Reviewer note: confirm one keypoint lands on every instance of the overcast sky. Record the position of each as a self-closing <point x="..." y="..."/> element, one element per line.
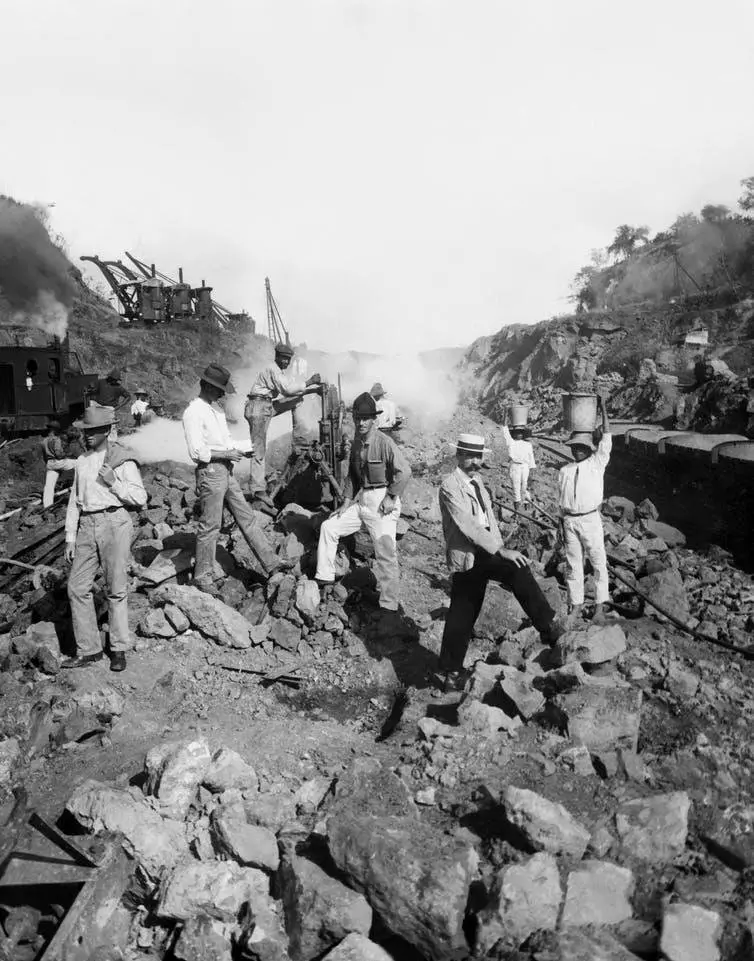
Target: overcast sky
<point x="410" y="173"/>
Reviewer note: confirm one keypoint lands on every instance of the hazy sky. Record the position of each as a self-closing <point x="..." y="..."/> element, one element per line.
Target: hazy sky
<point x="410" y="173"/>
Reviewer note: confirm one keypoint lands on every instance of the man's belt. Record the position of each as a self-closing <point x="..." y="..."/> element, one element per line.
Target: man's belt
<point x="582" y="514"/>
<point x="373" y="487"/>
<point x="260" y="397"/>
<point x="106" y="510"/>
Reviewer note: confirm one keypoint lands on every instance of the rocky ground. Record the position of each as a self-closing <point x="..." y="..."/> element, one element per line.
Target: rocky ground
<point x="288" y="780"/>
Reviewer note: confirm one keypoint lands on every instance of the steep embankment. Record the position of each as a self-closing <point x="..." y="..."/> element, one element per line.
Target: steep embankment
<point x="610" y="350"/>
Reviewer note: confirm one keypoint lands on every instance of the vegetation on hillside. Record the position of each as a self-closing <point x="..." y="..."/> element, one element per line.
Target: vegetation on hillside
<point x="709" y="255"/>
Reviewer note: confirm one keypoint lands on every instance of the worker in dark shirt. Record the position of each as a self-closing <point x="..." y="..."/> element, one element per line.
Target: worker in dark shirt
<point x="377" y="476"/>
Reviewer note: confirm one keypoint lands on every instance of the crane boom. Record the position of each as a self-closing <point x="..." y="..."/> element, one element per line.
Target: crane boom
<point x="276" y="329"/>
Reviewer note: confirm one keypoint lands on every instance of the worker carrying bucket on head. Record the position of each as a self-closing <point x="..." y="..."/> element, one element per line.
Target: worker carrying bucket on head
<point x="275" y="392"/>
<point x="520" y="451"/>
<point x="139" y="407"/>
<point x="581" y="488"/>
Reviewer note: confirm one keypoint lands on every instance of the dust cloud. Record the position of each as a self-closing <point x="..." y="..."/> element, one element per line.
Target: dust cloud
<point x="34" y="279"/>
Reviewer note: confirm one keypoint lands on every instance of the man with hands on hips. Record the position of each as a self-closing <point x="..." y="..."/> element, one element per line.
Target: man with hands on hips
<point x="377" y="476"/>
<point x="106" y="485"/>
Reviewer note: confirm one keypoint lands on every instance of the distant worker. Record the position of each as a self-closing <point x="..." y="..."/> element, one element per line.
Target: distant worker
<point x="98" y="532"/>
<point x="377" y="476"/>
<point x="581" y="488"/>
<point x="388" y="418"/>
<point x="215" y="453"/>
<point x="476" y="556"/>
<point x="110" y="391"/>
<point x="273" y="393"/>
<point x="139" y="407"/>
<point x="521" y="456"/>
<point x="55" y="460"/>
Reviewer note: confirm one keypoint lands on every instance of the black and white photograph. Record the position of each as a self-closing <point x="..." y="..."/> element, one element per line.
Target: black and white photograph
<point x="376" y="480"/>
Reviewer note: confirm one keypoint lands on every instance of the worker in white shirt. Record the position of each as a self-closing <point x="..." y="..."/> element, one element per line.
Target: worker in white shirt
<point x="274" y="392"/>
<point x="139" y="407"/>
<point x="215" y="453"/>
<point x="581" y="489"/>
<point x="55" y="461"/>
<point x="388" y="419"/>
<point x="98" y="530"/>
<point x="521" y="456"/>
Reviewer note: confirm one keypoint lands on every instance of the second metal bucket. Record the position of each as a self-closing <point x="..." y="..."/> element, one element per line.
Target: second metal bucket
<point x="518" y="415"/>
<point x="580" y="412"/>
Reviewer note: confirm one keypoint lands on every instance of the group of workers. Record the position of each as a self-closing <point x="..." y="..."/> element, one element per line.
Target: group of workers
<point x="107" y="485"/>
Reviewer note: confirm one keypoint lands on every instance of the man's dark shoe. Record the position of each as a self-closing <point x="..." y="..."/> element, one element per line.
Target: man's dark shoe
<point x="84" y="661"/>
<point x="552" y="633"/>
<point x="207" y="587"/>
<point x="118" y="661"/>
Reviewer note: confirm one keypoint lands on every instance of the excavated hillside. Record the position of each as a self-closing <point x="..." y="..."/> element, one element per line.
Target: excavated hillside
<point x="637" y="355"/>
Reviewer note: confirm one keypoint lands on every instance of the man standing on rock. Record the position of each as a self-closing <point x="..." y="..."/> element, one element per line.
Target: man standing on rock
<point x="377" y="476"/>
<point x="273" y="393"/>
<point x="106" y="485"/>
<point x="214" y="452"/>
<point x="581" y="489"/>
<point x="475" y="555"/>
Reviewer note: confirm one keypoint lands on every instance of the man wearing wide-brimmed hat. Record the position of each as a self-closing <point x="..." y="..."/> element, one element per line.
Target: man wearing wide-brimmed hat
<point x="475" y="556"/>
<point x="275" y="392"/>
<point x="215" y="453"/>
<point x="55" y="461"/>
<point x="377" y="476"/>
<point x="581" y="489"/>
<point x="106" y="486"/>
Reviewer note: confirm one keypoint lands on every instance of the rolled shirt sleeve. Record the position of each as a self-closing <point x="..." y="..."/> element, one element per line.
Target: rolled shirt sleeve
<point x="199" y="451"/>
<point x="129" y="487"/>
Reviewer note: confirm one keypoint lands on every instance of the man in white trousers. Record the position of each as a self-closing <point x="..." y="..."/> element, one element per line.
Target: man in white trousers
<point x="521" y="456"/>
<point x="377" y="476"/>
<point x="581" y="486"/>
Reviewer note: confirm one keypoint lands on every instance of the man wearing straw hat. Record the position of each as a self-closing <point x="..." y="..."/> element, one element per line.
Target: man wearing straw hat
<point x="106" y="485"/>
<point x="215" y="453"/>
<point x="475" y="556"/>
<point x="581" y="488"/>
<point x="520" y="453"/>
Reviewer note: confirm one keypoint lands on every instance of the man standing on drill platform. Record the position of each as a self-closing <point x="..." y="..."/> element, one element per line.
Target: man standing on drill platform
<point x="214" y="452"/>
<point x="106" y="485"/>
<point x="377" y="476"/>
<point x="273" y="393"/>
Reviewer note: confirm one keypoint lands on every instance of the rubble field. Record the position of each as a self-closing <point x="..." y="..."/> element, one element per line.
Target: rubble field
<point x="283" y="778"/>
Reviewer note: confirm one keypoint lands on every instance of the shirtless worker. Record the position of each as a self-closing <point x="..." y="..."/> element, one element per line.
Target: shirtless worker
<point x="274" y="392"/>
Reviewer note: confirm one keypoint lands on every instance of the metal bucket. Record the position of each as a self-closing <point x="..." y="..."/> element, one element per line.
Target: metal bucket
<point x="580" y="412"/>
<point x="518" y="415"/>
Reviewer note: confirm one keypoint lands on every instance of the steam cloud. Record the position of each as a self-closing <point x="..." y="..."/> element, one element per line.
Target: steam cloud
<point x="427" y="395"/>
<point x="34" y="277"/>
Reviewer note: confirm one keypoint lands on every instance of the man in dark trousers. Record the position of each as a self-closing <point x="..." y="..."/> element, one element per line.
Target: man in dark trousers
<point x="215" y="453"/>
<point x="476" y="555"/>
<point x="377" y="476"/>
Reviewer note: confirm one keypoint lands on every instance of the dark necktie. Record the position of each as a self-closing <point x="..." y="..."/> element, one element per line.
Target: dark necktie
<point x="477" y="485"/>
<point x="575" y="484"/>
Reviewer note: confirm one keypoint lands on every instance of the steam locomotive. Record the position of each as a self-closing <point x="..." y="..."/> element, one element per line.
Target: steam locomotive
<point x="40" y="382"/>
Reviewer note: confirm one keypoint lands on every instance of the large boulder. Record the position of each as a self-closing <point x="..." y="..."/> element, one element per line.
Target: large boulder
<point x="666" y="589"/>
<point x="500" y="612"/>
<point x="602" y="717"/>
<point x="319" y="910"/>
<point x="485" y="719"/>
<point x="415" y="879"/>
<point x="307" y="599"/>
<point x="595" y="645"/>
<point x="174" y="771"/>
<point x="204" y="939"/>
<point x="371" y="788"/>
<point x="519" y="695"/>
<point x="598" y="893"/>
<point x="216" y="888"/>
<point x="249" y="844"/>
<point x="671" y="535"/>
<point x="654" y="828"/>
<point x="155" y="842"/>
<point x="524" y="898"/>
<point x="577" y="944"/>
<point x="690" y="933"/>
<point x="210" y="616"/>
<point x="229" y="770"/>
<point x="546" y="825"/>
<point x="356" y="947"/>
